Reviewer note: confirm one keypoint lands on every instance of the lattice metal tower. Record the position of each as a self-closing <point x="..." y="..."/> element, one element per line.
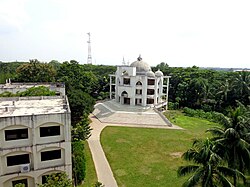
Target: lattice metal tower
<point x="89" y="60"/>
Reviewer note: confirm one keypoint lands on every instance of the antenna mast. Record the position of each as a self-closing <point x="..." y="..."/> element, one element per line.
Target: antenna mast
<point x="89" y="60"/>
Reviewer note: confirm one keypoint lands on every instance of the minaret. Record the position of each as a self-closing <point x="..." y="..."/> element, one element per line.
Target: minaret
<point x="123" y="61"/>
<point x="89" y="60"/>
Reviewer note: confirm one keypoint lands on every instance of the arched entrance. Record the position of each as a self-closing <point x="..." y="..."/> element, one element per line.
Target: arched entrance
<point x="124" y="98"/>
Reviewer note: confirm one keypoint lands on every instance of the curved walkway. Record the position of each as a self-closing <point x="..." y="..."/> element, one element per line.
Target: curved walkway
<point x="103" y="169"/>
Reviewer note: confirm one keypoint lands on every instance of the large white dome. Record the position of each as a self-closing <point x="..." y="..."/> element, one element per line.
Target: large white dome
<point x="140" y="65"/>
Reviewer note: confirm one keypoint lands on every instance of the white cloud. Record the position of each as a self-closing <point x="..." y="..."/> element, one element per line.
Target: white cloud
<point x="13" y="14"/>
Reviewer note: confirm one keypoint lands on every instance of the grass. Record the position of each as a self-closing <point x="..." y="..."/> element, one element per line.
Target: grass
<point x="90" y="178"/>
<point x="151" y="157"/>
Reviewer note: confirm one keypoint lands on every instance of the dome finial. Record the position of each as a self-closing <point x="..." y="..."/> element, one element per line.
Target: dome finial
<point x="139" y="58"/>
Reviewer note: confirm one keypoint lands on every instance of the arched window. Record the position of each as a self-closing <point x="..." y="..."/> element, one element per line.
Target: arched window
<point x="138" y="83"/>
<point x="124" y="94"/>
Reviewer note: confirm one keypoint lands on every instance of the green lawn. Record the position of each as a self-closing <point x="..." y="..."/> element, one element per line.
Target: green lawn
<point x="90" y="178"/>
<point x="150" y="157"/>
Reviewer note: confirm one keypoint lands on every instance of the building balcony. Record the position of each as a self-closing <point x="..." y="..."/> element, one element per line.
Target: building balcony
<point x="151" y="86"/>
<point x="150" y="96"/>
<point x="125" y="85"/>
<point x="138" y="96"/>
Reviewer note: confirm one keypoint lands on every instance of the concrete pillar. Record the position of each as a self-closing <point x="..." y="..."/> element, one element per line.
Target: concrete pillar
<point x="34" y="156"/>
<point x="1" y="168"/>
<point x="144" y="91"/>
<point x="110" y="87"/>
<point x="155" y="90"/>
<point x="167" y="93"/>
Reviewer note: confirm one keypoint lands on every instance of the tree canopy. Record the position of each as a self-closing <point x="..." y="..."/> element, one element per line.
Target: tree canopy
<point x="35" y="71"/>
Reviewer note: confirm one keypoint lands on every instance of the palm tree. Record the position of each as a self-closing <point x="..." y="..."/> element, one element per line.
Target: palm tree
<point x="224" y="90"/>
<point x="233" y="140"/>
<point x="207" y="170"/>
<point x="241" y="87"/>
<point x="198" y="89"/>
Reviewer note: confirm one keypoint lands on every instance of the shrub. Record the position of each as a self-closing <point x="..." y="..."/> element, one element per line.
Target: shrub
<point x="7" y="94"/>
<point x="210" y="116"/>
<point x="57" y="180"/>
<point x="78" y="161"/>
<point x="173" y="106"/>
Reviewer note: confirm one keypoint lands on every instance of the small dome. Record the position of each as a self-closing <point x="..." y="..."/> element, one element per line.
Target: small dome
<point x="158" y="73"/>
<point x="140" y="65"/>
<point x="150" y="74"/>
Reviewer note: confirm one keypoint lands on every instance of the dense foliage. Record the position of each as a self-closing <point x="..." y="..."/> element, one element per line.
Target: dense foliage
<point x="225" y="158"/>
<point x="37" y="91"/>
<point x="78" y="161"/>
<point x="35" y="71"/>
<point x="57" y="180"/>
<point x="33" y="91"/>
<point x="207" y="89"/>
<point x="210" y="116"/>
<point x="8" y="70"/>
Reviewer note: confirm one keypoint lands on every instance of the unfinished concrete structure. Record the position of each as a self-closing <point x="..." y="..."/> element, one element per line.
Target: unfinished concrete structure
<point x="35" y="139"/>
<point x="137" y="84"/>
<point x="59" y="88"/>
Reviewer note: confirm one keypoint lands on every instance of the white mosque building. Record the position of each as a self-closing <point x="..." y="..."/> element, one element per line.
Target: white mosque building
<point x="137" y="84"/>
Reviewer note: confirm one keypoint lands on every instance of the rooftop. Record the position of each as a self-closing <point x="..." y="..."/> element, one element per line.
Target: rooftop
<point x="22" y="106"/>
<point x="29" y="85"/>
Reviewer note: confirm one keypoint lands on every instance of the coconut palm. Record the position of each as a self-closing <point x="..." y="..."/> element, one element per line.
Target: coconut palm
<point x="224" y="91"/>
<point x="241" y="86"/>
<point x="207" y="170"/>
<point x="233" y="140"/>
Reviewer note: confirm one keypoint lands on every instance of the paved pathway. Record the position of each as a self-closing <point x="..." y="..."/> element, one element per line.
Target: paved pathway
<point x="103" y="170"/>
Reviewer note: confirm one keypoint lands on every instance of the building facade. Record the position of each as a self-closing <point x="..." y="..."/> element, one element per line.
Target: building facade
<point x="35" y="139"/>
<point x="137" y="84"/>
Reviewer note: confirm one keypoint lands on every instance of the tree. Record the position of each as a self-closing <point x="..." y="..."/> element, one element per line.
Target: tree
<point x="82" y="130"/>
<point x="36" y="91"/>
<point x="207" y="170"/>
<point x="80" y="103"/>
<point x="8" y="70"/>
<point x="163" y="66"/>
<point x="33" y="91"/>
<point x="75" y="77"/>
<point x="241" y="87"/>
<point x="57" y="180"/>
<point x="233" y="139"/>
<point x="78" y="161"/>
<point x="198" y="90"/>
<point x="35" y="71"/>
<point x="55" y="64"/>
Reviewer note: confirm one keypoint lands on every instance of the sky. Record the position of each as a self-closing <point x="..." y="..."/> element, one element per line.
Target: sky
<point x="181" y="33"/>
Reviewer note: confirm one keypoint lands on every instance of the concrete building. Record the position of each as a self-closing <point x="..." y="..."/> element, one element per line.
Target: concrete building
<point x="35" y="139"/>
<point x="137" y="84"/>
<point x="59" y="88"/>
